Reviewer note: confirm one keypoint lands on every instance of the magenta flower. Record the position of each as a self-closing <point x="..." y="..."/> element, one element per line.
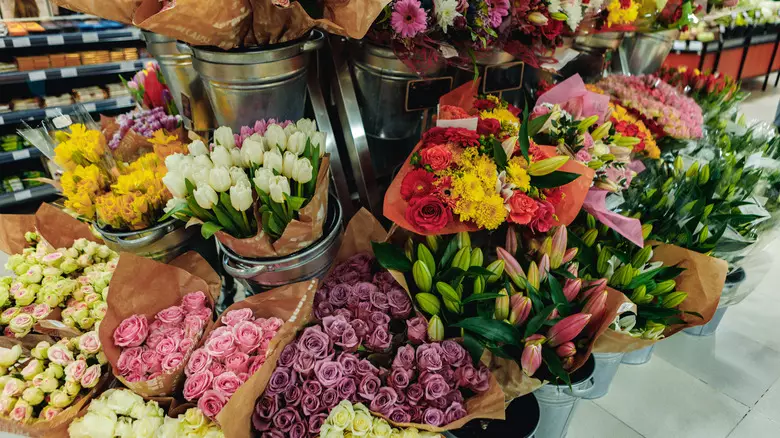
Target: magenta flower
<point x="409" y="18"/>
<point x="497" y="10"/>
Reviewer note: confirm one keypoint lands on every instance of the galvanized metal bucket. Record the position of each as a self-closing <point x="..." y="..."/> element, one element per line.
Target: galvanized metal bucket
<point x="263" y="274"/>
<point x="246" y="85"/>
<point x="638" y="357"/>
<point x="162" y="242"/>
<point x="711" y="327"/>
<point x="558" y="402"/>
<point x="733" y="281"/>
<point x="606" y="367"/>
<point x="183" y="81"/>
<point x="522" y="421"/>
<point x="646" y="52"/>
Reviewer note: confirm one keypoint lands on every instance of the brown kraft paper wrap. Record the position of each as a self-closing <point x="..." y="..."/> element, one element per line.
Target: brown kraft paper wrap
<point x="117" y="10"/>
<point x="292" y="304"/>
<point x="298" y="234"/>
<point x="223" y="24"/>
<point x="362" y="230"/>
<point x="57" y="427"/>
<point x="12" y="229"/>
<point x="56" y="227"/>
<point x="143" y="286"/>
<point x="703" y="280"/>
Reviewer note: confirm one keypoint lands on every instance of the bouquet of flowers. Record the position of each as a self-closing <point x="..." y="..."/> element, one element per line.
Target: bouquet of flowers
<point x="47" y="278"/>
<point x="193" y="423"/>
<point x="537" y="28"/>
<point x="162" y="347"/>
<point x="139" y="131"/>
<point x="231" y="353"/>
<point x="149" y="89"/>
<point x="262" y="199"/>
<point x="460" y="179"/>
<point x="357" y="419"/>
<point x="40" y="383"/>
<point x="716" y="94"/>
<point x="118" y="412"/>
<point x="663" y="109"/>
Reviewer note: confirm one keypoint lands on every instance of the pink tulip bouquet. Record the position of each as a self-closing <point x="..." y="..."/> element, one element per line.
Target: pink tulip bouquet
<point x="150" y="350"/>
<point x="230" y="355"/>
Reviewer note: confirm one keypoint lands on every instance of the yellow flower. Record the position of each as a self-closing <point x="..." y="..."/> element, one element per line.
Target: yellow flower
<point x="468" y="186"/>
<point x="491" y="212"/>
<point x="510" y="124"/>
<point x="619" y="15"/>
<point x="518" y="175"/>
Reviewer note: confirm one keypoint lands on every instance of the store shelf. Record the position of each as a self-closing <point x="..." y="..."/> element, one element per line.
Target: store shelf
<point x="39" y="114"/>
<point x="31" y="194"/>
<point x="104" y="36"/>
<point x="19" y="77"/>
<point x="24" y="154"/>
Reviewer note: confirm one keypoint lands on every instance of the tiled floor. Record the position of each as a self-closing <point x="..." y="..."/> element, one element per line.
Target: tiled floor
<point x="725" y="385"/>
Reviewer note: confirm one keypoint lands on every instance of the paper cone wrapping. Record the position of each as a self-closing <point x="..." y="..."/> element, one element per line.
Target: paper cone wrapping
<point x="12" y="229"/>
<point x="299" y="234"/>
<point x="143" y="286"/>
<point x="55" y="226"/>
<point x="703" y="280"/>
<point x="291" y="303"/>
<point x="117" y="10"/>
<point x="58" y="426"/>
<point x="515" y="383"/>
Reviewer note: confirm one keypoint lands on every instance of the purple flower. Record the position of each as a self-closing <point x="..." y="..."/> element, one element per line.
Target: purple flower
<point x="349" y="340"/>
<point x="338" y="295"/>
<point x="466" y="375"/>
<point x="378" y="319"/>
<point x="369" y="386"/>
<point x="267" y="406"/>
<point x="285" y="418"/>
<point x="346" y="388"/>
<point x="435" y="387"/>
<point x="454" y="412"/>
<point x="404" y="357"/>
<point x="399" y="378"/>
<point x="361" y="328"/>
<point x="315" y="342"/>
<point x="384" y="281"/>
<point x="328" y="372"/>
<point x="330" y="398"/>
<point x="416" y="330"/>
<point x="429" y="357"/>
<point x="399" y="302"/>
<point x="287" y="357"/>
<point x="316" y="421"/>
<point x="304" y="363"/>
<point x="344" y="313"/>
<point x="312" y="387"/>
<point x="349" y="362"/>
<point x="292" y="395"/>
<point x="415" y="394"/>
<point x="399" y="415"/>
<point x="363" y="310"/>
<point x="454" y="354"/>
<point x="439" y="403"/>
<point x="454" y="396"/>
<point x="322" y="310"/>
<point x="384" y="400"/>
<point x="298" y="430"/>
<point x="482" y="382"/>
<point x="379" y="300"/>
<point x="335" y="326"/>
<point x="408" y="18"/>
<point x="434" y="417"/>
<point x="364" y="291"/>
<point x="497" y="10"/>
<point x="280" y="379"/>
<point x="365" y="367"/>
<point x="310" y="404"/>
<point x="379" y="340"/>
<point x="417" y="413"/>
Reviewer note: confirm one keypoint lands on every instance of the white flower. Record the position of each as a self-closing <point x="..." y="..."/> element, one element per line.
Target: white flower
<point x="263" y="179"/>
<point x="289" y="129"/>
<point x="173" y="203"/>
<point x="173" y="162"/>
<point x="124" y="427"/>
<point x="258" y="138"/>
<point x="600" y="149"/>
<point x="238" y="176"/>
<point x="288" y="163"/>
<point x="175" y="184"/>
<point x="241" y="197"/>
<point x="169" y="429"/>
<point x="186" y="170"/>
<point x="278" y="187"/>
<point x="223" y="136"/>
<point x="297" y="142"/>
<point x="221" y="157"/>
<point x="252" y="151"/>
<point x="555" y="6"/>
<point x="197" y="148"/>
<point x="203" y="161"/>
<point x="122" y="401"/>
<point x="273" y="160"/>
<point x="237" y="159"/>
<point x="446" y="12"/>
<point x="302" y="171"/>
<point x="318" y="139"/>
<point x="307" y="126"/>
<point x="219" y="179"/>
<point x="275" y="136"/>
<point x="573" y="15"/>
<point x="92" y="425"/>
<point x="145" y="427"/>
<point x="205" y="196"/>
<point x="199" y="175"/>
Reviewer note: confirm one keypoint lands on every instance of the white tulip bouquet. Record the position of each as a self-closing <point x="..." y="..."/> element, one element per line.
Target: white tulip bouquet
<point x="276" y="169"/>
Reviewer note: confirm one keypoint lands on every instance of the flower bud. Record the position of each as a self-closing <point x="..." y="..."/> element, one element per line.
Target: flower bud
<point x="544" y="267"/>
<point x="573" y="268"/>
<point x="538" y="19"/>
<point x="638" y="295"/>
<point x="424" y="255"/>
<point x="567" y="329"/>
<point x="567" y="349"/>
<point x="512" y="268"/>
<point x="476" y="257"/>
<point x="531" y="359"/>
<point x="602" y="263"/>
<point x="596" y="305"/>
<point x="674" y="299"/>
<point x="48" y="384"/>
<point x="570" y="254"/>
<point x="435" y="329"/>
<point x="521" y="308"/>
<point x="497" y="268"/>
<point x="502" y="306"/>
<point x="462" y="258"/>
<point x="664" y="287"/>
<point x="9" y="356"/>
<point x="447" y="292"/>
<point x="464" y="240"/>
<point x="428" y="303"/>
<point x="642" y="256"/>
<point x="422" y="276"/>
<point x="60" y="399"/>
<point x="511" y="240"/>
<point x="33" y="396"/>
<point x="479" y="284"/>
<point x="533" y="276"/>
<point x="433" y="242"/>
<point x="409" y="249"/>
<point x="589" y="238"/>
<point x="692" y="171"/>
<point x="571" y="288"/>
<point x="32" y="368"/>
<point x="704" y="174"/>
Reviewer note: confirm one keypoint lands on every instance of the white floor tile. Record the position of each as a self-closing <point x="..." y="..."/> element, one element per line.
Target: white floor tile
<point x="591" y="421"/>
<point x="769" y="404"/>
<point x="728" y="361"/>
<point x="756" y="425"/>
<point x="659" y="400"/>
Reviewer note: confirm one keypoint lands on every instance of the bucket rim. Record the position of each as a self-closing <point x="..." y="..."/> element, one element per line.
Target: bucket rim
<point x="274" y="52"/>
<point x="171" y="222"/>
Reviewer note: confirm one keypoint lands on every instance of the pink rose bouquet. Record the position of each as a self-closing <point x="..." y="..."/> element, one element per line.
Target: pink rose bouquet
<point x="150" y="350"/>
<point x="230" y="355"/>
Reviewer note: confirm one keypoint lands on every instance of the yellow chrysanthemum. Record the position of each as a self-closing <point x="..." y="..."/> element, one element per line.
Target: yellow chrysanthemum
<point x="510" y="124"/>
<point x="620" y="113"/>
<point x="619" y="15"/>
<point x="490" y="212"/>
<point x="468" y="186"/>
<point x="518" y="176"/>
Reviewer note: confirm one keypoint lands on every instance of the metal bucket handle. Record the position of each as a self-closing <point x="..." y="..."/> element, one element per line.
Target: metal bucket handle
<point x="314" y="43"/>
<point x="132" y="244"/>
<point x="580" y="393"/>
<point x="244" y="273"/>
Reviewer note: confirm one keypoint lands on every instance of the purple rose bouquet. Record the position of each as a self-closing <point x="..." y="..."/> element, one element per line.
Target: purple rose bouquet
<point x="358" y="352"/>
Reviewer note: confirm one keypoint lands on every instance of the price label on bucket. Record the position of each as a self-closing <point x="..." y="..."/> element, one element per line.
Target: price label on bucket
<point x="423" y="94"/>
<point x="503" y="77"/>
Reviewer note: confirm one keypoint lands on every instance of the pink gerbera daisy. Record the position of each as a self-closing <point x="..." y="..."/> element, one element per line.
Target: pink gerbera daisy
<point x="408" y="18"/>
<point x="497" y="10"/>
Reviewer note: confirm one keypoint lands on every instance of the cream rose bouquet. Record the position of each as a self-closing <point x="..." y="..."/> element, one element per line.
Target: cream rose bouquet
<point x="193" y="424"/>
<point x="118" y="412"/>
<point x="347" y="419"/>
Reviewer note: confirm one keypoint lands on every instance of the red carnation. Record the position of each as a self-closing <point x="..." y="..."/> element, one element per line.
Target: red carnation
<point x="488" y="126"/>
<point x="451" y="112"/>
<point x="437" y="156"/>
<point x="460" y="136"/>
<point x="484" y="104"/>
<point x="417" y="183"/>
<point x="543" y="218"/>
<point x="428" y="214"/>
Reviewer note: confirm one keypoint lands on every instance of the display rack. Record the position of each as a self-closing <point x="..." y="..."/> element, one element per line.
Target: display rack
<point x="31" y="194"/>
<point x="105" y="36"/>
<point x="120" y="103"/>
<point x="19" y="77"/>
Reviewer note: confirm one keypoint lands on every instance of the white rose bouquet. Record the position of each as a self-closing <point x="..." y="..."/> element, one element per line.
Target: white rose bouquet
<point x="279" y="169"/>
<point x="118" y="412"/>
<point x="192" y="424"/>
<point x="357" y="420"/>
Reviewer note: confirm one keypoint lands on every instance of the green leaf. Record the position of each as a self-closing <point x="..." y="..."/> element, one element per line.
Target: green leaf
<point x="478" y="270"/>
<point x="499" y="155"/>
<point x="294" y="203"/>
<point x="178" y="208"/>
<point x="555" y="365"/>
<point x="480" y="297"/>
<point x="696" y="314"/>
<point x="492" y="330"/>
<point x="669" y="273"/>
<point x="235" y="216"/>
<point x="557" y="293"/>
<point x="499" y="351"/>
<point x="227" y="223"/>
<point x="523" y="139"/>
<point x="208" y="229"/>
<point x="449" y="253"/>
<point x="643" y="278"/>
<point x="450" y="275"/>
<point x="391" y="257"/>
<point x="537" y="321"/>
<point x="535" y="125"/>
<point x="563" y="273"/>
<point x="555" y="179"/>
<point x="473" y="346"/>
